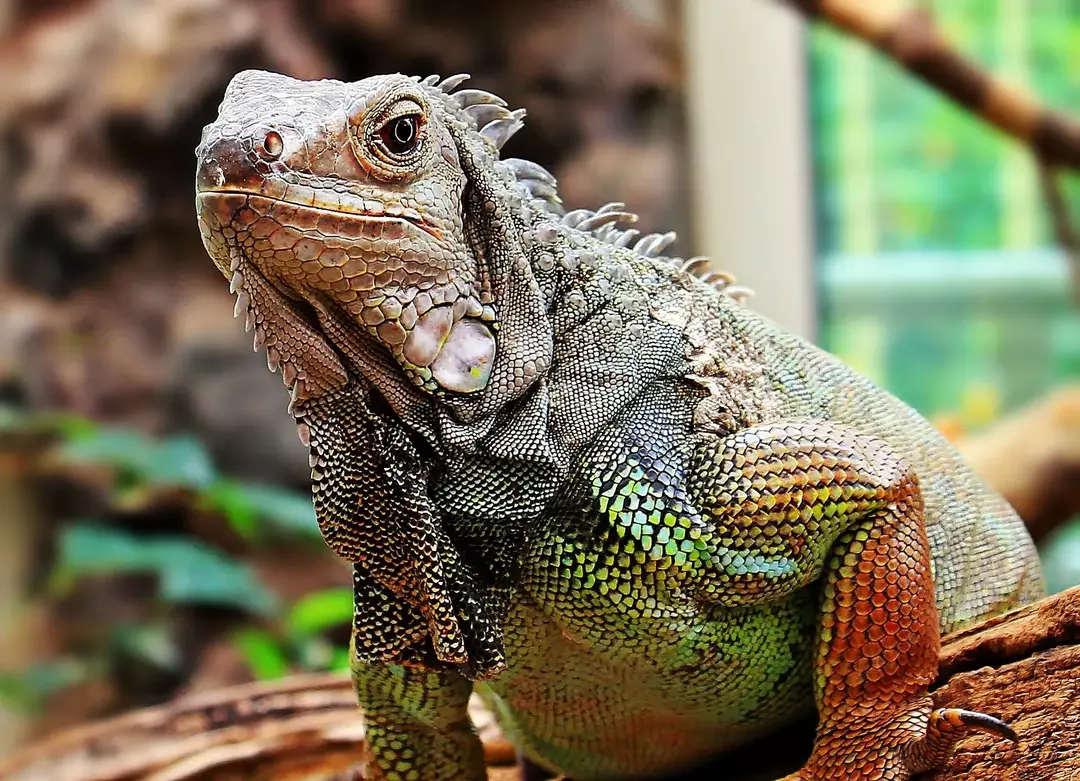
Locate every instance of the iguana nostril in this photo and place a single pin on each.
(224, 162)
(271, 146)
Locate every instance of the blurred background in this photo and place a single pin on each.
(156, 535)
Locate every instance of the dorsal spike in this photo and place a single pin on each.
(604, 218)
(540, 189)
(527, 169)
(430, 81)
(485, 113)
(573, 218)
(660, 242)
(605, 232)
(470, 97)
(648, 248)
(644, 242)
(719, 279)
(500, 131)
(739, 293)
(614, 206)
(450, 83)
(692, 263)
(627, 236)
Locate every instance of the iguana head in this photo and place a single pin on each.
(372, 216)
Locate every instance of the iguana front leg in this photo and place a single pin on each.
(417, 725)
(792, 504)
(414, 607)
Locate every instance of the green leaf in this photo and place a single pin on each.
(321, 610)
(88, 547)
(151, 643)
(116, 447)
(262, 653)
(192, 573)
(27, 691)
(178, 461)
(14, 419)
(287, 511)
(315, 654)
(11, 419)
(339, 661)
(72, 426)
(225, 497)
(189, 571)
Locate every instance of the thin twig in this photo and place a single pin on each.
(1061, 219)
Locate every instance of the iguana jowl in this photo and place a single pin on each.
(646, 523)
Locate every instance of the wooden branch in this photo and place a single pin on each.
(302, 728)
(1032, 458)
(1024, 666)
(1064, 227)
(908, 35)
(308, 721)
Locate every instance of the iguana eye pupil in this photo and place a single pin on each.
(400, 135)
(272, 146)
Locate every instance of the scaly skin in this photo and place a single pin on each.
(572, 473)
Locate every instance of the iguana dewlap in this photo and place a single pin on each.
(647, 523)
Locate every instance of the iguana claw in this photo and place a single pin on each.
(888, 754)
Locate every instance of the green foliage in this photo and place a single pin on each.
(902, 168)
(319, 611)
(264, 653)
(945, 216)
(148, 643)
(174, 462)
(25, 691)
(141, 464)
(187, 570)
(300, 636)
(252, 508)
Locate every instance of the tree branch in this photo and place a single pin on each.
(908, 35)
(1061, 220)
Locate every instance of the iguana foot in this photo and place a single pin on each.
(897, 750)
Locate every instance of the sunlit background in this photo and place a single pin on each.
(157, 537)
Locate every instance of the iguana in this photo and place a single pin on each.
(643, 522)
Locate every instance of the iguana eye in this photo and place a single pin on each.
(401, 134)
(272, 146)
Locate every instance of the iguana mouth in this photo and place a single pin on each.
(350, 207)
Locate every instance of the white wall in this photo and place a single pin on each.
(749, 150)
